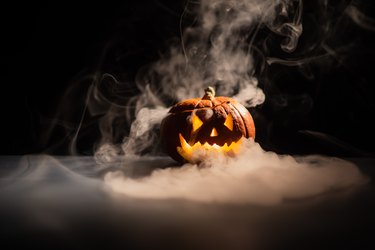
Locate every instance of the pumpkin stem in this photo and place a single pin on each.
(209, 93)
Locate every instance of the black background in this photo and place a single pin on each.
(46, 48)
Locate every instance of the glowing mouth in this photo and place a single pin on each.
(198, 151)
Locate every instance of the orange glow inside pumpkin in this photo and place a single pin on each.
(196, 122)
(199, 151)
(213, 132)
(229, 122)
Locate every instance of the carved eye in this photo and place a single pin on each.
(196, 122)
(229, 122)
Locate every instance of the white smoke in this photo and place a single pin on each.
(217, 50)
(141, 136)
(360, 18)
(255, 176)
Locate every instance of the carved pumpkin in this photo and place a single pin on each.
(195, 127)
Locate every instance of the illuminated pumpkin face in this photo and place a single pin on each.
(199, 126)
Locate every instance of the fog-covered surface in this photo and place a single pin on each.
(47, 199)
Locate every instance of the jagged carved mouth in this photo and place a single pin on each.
(197, 151)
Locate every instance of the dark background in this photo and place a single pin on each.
(46, 49)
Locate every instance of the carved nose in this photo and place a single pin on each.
(213, 132)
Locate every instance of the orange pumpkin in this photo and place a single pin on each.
(195, 127)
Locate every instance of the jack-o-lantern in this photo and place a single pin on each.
(196, 127)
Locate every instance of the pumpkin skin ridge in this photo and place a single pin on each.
(171, 111)
(230, 110)
(242, 118)
(247, 126)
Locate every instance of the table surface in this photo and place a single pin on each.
(62, 202)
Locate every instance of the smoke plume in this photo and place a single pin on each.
(225, 45)
(217, 50)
